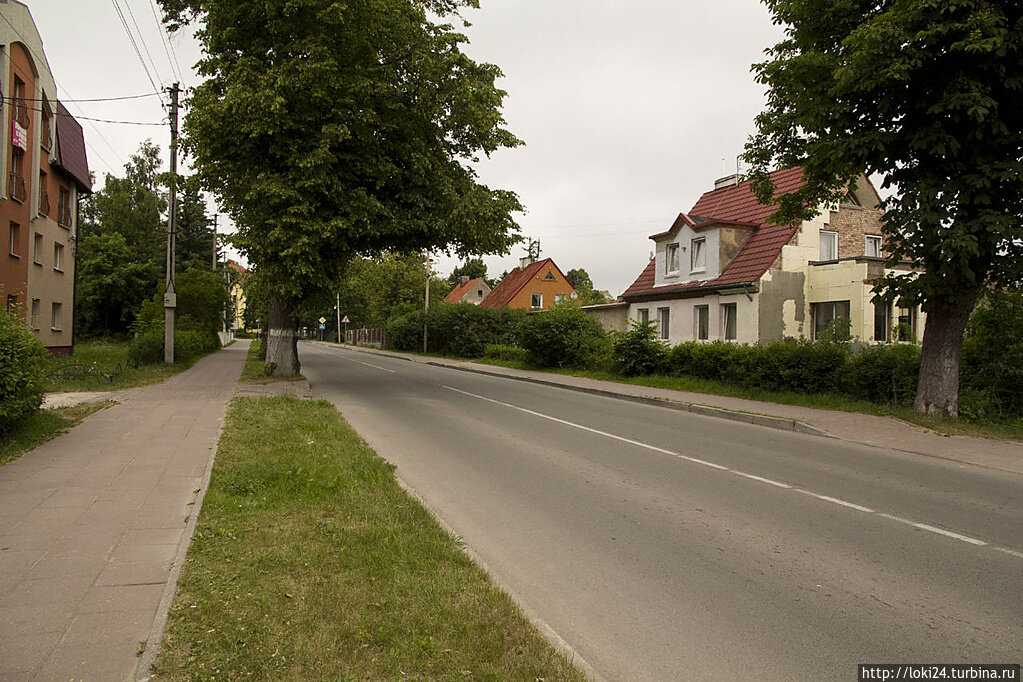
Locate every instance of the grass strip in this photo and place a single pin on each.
(254, 370)
(106, 355)
(44, 425)
(310, 562)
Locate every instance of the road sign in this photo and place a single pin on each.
(323, 321)
(345, 320)
(322, 325)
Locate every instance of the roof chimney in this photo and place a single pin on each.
(525, 262)
(727, 181)
(464, 279)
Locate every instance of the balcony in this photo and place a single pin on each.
(64, 216)
(44, 202)
(17, 187)
(47, 135)
(21, 114)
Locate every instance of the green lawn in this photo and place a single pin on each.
(44, 425)
(311, 563)
(254, 371)
(106, 356)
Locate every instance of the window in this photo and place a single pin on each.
(55, 317)
(537, 301)
(829, 245)
(728, 321)
(12, 244)
(850, 199)
(64, 207)
(872, 248)
(549, 276)
(702, 322)
(906, 330)
(20, 107)
(698, 257)
(882, 321)
(44, 197)
(17, 188)
(479, 293)
(826, 313)
(671, 259)
(47, 133)
(12, 303)
(558, 298)
(644, 315)
(58, 256)
(664, 317)
(37, 249)
(34, 319)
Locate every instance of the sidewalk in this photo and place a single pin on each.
(884, 432)
(94, 526)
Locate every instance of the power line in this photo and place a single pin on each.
(91, 99)
(167, 46)
(89, 118)
(138, 53)
(142, 39)
(60, 85)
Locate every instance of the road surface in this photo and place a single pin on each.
(663, 545)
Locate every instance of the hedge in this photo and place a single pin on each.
(460, 330)
(22, 363)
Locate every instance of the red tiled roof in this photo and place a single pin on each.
(733, 205)
(459, 291)
(71, 148)
(511, 285)
(237, 267)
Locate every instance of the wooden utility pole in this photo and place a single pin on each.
(169, 296)
(215, 216)
(426, 308)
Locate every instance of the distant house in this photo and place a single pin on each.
(469, 291)
(722, 272)
(535, 285)
(237, 294)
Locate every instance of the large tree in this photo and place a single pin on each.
(331, 130)
(928, 94)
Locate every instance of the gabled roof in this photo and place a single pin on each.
(71, 149)
(511, 285)
(732, 205)
(460, 290)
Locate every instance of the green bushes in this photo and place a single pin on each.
(564, 336)
(991, 369)
(639, 351)
(884, 374)
(460, 330)
(22, 358)
(496, 351)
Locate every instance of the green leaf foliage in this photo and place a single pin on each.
(564, 336)
(639, 351)
(992, 364)
(22, 363)
(330, 130)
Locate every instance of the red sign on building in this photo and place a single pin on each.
(19, 136)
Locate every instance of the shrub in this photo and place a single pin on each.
(22, 363)
(795, 365)
(991, 370)
(495, 351)
(883, 374)
(639, 351)
(564, 336)
(714, 360)
(460, 329)
(146, 349)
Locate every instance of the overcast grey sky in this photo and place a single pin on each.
(629, 110)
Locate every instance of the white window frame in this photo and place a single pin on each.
(875, 251)
(704, 312)
(831, 239)
(12, 239)
(664, 319)
(698, 255)
(34, 314)
(58, 256)
(734, 308)
(671, 259)
(643, 315)
(55, 317)
(533, 300)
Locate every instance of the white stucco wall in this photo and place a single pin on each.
(682, 316)
(684, 239)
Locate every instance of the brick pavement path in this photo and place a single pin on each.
(94, 526)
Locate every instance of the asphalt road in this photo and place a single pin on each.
(663, 545)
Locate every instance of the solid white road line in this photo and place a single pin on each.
(761, 479)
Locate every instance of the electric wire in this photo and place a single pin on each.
(90, 99)
(142, 40)
(167, 46)
(138, 53)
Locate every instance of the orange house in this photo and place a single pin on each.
(531, 286)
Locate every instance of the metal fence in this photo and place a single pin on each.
(366, 337)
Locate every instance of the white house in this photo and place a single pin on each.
(722, 272)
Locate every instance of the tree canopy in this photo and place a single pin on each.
(330, 130)
(928, 94)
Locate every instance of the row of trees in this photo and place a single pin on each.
(333, 132)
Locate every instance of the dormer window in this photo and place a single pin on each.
(671, 259)
(698, 255)
(851, 200)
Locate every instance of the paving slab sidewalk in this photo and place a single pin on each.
(884, 432)
(95, 524)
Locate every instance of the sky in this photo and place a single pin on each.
(629, 109)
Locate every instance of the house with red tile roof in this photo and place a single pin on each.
(534, 285)
(722, 272)
(469, 291)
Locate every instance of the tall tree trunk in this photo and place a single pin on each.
(281, 340)
(937, 391)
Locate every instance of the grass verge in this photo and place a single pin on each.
(310, 562)
(1008, 429)
(254, 371)
(105, 355)
(44, 425)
